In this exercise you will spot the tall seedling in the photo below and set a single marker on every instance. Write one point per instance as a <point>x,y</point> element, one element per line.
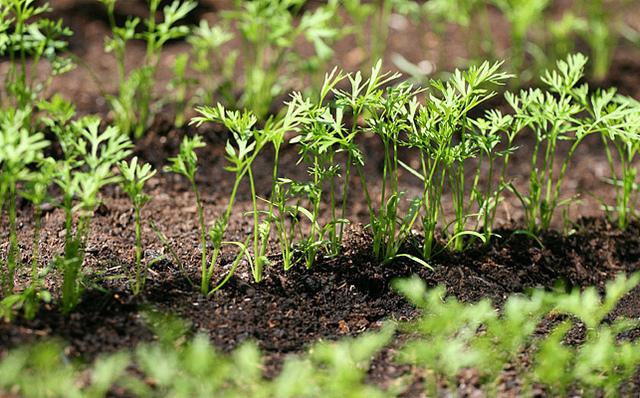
<point>36,191</point>
<point>132,107</point>
<point>323,141</point>
<point>134,176</point>
<point>186,164</point>
<point>20,149</point>
<point>27,38</point>
<point>89,156</point>
<point>621,139</point>
<point>246,144</point>
<point>387,114</point>
<point>553,116</point>
<point>269,33</point>
<point>447,138</point>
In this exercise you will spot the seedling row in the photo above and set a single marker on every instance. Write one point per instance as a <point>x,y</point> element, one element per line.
<point>448,144</point>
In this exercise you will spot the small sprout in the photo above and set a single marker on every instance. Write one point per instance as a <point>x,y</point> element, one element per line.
<point>133,106</point>
<point>134,177</point>
<point>19,150</point>
<point>87,167</point>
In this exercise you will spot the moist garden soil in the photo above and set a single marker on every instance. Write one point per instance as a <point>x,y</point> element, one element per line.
<point>341,296</point>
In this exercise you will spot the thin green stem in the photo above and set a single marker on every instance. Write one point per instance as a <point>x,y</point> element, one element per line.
<point>332,198</point>
<point>208,273</point>
<point>558,185</point>
<point>141,275</point>
<point>257,271</point>
<point>203,234</point>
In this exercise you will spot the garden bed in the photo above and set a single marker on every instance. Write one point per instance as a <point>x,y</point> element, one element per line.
<point>345,295</point>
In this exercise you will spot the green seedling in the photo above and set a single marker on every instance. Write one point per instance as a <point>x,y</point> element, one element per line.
<point>209,56</point>
<point>388,115</point>
<point>554,116</point>
<point>394,117</point>
<point>447,138</point>
<point>247,143</point>
<point>134,177</point>
<point>602,363</point>
<point>268,34</point>
<point>463,335</point>
<point>19,150</point>
<point>322,138</point>
<point>182,367</point>
<point>448,338</point>
<point>286,211</point>
<point>452,336</point>
<point>186,164</point>
<point>320,134</point>
<point>35,190</point>
<point>89,156</point>
<point>522,16</point>
<point>41,371</point>
<point>27,38</point>
<point>328,135</point>
<point>371,24</point>
<point>621,138</point>
<point>132,107</point>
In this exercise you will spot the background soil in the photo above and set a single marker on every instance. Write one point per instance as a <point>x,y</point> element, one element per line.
<point>337,297</point>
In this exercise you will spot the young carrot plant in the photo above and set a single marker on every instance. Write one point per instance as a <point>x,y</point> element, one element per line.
<point>247,143</point>
<point>388,115</point>
<point>285,212</point>
<point>621,138</point>
<point>20,149</point>
<point>447,138</point>
<point>132,107</point>
<point>274,133</point>
<point>320,141</point>
<point>371,24</point>
<point>36,191</point>
<point>554,116</point>
<point>89,156</point>
<point>522,16</point>
<point>27,38</point>
<point>603,361</point>
<point>449,340</point>
<point>134,177</point>
<point>268,34</point>
<point>394,117</point>
<point>186,164</point>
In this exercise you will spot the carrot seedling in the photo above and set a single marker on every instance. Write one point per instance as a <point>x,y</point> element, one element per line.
<point>134,177</point>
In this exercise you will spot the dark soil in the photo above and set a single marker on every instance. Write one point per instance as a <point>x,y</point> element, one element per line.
<point>338,296</point>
